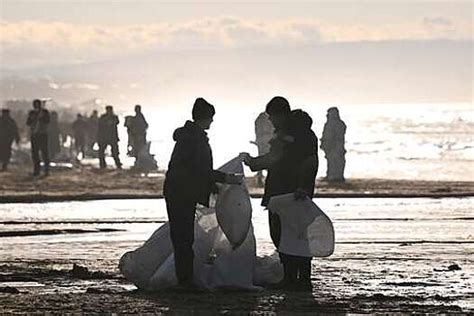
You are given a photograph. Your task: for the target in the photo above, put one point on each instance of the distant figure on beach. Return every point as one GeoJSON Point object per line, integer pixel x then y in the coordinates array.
{"type": "Point", "coordinates": [79, 128]}
{"type": "Point", "coordinates": [292, 166]}
{"type": "Point", "coordinates": [332, 143]}
{"type": "Point", "coordinates": [263, 134]}
{"type": "Point", "coordinates": [108, 136]}
{"type": "Point", "coordinates": [190, 179]}
{"type": "Point", "coordinates": [8, 134]}
{"type": "Point", "coordinates": [54, 142]}
{"type": "Point", "coordinates": [136, 129]}
{"type": "Point", "coordinates": [92, 132]}
{"type": "Point", "coordinates": [38, 121]}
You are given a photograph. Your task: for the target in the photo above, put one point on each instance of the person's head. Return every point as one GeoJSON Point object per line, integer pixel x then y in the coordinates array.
{"type": "Point", "coordinates": [5, 112]}
{"type": "Point", "coordinates": [36, 104]}
{"type": "Point", "coordinates": [138, 109]}
{"type": "Point", "coordinates": [95, 113]}
{"type": "Point", "coordinates": [333, 113]}
{"type": "Point", "coordinates": [301, 120]}
{"type": "Point", "coordinates": [278, 110]}
{"type": "Point", "coordinates": [203, 113]}
{"type": "Point", "coordinates": [109, 109]}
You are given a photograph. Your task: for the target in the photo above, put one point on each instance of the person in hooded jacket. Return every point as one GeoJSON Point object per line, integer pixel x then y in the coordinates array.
{"type": "Point", "coordinates": [332, 143]}
{"type": "Point", "coordinates": [292, 165]}
{"type": "Point", "coordinates": [189, 181]}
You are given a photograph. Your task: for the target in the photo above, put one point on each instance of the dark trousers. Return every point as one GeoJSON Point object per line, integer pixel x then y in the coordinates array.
{"type": "Point", "coordinates": [295, 268]}
{"type": "Point", "coordinates": [5, 153]}
{"type": "Point", "coordinates": [181, 213]}
{"type": "Point", "coordinates": [115, 154]}
{"type": "Point", "coordinates": [39, 143]}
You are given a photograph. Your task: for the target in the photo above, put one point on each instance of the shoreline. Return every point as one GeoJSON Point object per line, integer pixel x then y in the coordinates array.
{"type": "Point", "coordinates": [88, 183]}
{"type": "Point", "coordinates": [46, 198]}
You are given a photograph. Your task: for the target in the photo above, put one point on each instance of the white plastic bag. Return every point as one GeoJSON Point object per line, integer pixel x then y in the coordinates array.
{"type": "Point", "coordinates": [233, 207]}
{"type": "Point", "coordinates": [305, 229]}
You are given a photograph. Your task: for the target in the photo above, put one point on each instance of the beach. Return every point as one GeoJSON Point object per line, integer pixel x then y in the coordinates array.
{"type": "Point", "coordinates": [393, 254]}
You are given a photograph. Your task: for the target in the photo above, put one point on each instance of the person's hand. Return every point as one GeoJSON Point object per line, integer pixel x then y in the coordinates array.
{"type": "Point", "coordinates": [231, 178]}
{"type": "Point", "coordinates": [245, 157]}
{"type": "Point", "coordinates": [300, 194]}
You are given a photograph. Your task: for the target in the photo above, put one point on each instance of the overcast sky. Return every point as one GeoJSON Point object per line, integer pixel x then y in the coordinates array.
{"type": "Point", "coordinates": [42, 34]}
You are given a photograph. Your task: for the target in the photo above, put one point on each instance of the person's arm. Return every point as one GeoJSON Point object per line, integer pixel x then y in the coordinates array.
{"type": "Point", "coordinates": [30, 119]}
{"type": "Point", "coordinates": [277, 147]}
{"type": "Point", "coordinates": [16, 134]}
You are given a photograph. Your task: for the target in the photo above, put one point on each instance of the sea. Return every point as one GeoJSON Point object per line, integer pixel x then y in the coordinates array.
{"type": "Point", "coordinates": [386, 141]}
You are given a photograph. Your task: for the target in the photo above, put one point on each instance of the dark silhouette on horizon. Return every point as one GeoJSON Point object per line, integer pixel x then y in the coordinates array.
{"type": "Point", "coordinates": [79, 128]}
{"type": "Point", "coordinates": [108, 136]}
{"type": "Point", "coordinates": [8, 135]}
{"type": "Point", "coordinates": [332, 143]}
{"type": "Point", "coordinates": [38, 122]}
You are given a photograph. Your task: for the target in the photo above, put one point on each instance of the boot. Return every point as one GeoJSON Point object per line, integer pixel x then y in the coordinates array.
{"type": "Point", "coordinates": [304, 277]}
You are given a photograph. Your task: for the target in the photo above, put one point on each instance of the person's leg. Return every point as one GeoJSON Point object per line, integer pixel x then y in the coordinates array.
{"type": "Point", "coordinates": [181, 215]}
{"type": "Point", "coordinates": [304, 274]}
{"type": "Point", "coordinates": [43, 145]}
{"type": "Point", "coordinates": [289, 272]}
{"type": "Point", "coordinates": [102, 155]}
{"type": "Point", "coordinates": [35, 155]}
{"type": "Point", "coordinates": [115, 155]}
{"type": "Point", "coordinates": [275, 227]}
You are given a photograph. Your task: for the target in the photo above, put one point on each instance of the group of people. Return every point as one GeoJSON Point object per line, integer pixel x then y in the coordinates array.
{"type": "Point", "coordinates": [291, 162]}
{"type": "Point", "coordinates": [45, 140]}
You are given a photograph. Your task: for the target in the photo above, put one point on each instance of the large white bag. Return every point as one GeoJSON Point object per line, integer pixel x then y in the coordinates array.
{"type": "Point", "coordinates": [233, 207]}
{"type": "Point", "coordinates": [305, 229]}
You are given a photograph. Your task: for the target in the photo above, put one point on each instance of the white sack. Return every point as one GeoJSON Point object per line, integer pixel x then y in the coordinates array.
{"type": "Point", "coordinates": [305, 229]}
{"type": "Point", "coordinates": [233, 207]}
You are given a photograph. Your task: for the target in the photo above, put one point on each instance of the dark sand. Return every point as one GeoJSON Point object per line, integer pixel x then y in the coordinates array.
{"type": "Point", "coordinates": [87, 183]}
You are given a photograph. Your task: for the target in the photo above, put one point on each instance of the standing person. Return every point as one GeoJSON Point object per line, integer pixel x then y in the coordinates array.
{"type": "Point", "coordinates": [332, 143]}
{"type": "Point", "coordinates": [263, 134]}
{"type": "Point", "coordinates": [140, 127]}
{"type": "Point", "coordinates": [92, 131]}
{"type": "Point", "coordinates": [79, 128]}
{"type": "Point", "coordinates": [38, 121]}
{"type": "Point", "coordinates": [190, 179]}
{"type": "Point", "coordinates": [108, 135]}
{"type": "Point", "coordinates": [8, 134]}
{"type": "Point", "coordinates": [290, 150]}
{"type": "Point", "coordinates": [54, 143]}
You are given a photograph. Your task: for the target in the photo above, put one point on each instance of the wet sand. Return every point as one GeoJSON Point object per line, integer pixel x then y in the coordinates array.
{"type": "Point", "coordinates": [392, 255]}
{"type": "Point", "coordinates": [88, 183]}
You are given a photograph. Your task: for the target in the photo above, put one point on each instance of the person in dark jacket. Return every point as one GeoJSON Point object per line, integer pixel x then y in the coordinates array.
{"type": "Point", "coordinates": [79, 128]}
{"type": "Point", "coordinates": [38, 121]}
{"type": "Point", "coordinates": [190, 180]}
{"type": "Point", "coordinates": [108, 136]}
{"type": "Point", "coordinates": [290, 163]}
{"type": "Point", "coordinates": [332, 143]}
{"type": "Point", "coordinates": [8, 134]}
{"type": "Point", "coordinates": [54, 142]}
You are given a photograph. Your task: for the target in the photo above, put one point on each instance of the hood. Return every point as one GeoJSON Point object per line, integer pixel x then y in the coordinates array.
{"type": "Point", "coordinates": [190, 130]}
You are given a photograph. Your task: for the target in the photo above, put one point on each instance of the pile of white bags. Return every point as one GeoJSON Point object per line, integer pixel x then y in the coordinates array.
{"type": "Point", "coordinates": [224, 245]}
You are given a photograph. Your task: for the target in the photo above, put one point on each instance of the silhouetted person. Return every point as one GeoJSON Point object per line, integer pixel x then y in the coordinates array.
{"type": "Point", "coordinates": [92, 131]}
{"type": "Point", "coordinates": [140, 127]}
{"type": "Point", "coordinates": [292, 152]}
{"type": "Point", "coordinates": [263, 134]}
{"type": "Point", "coordinates": [108, 136]}
{"type": "Point", "coordinates": [79, 128]}
{"type": "Point", "coordinates": [305, 155]}
{"type": "Point", "coordinates": [38, 121]}
{"type": "Point", "coordinates": [129, 126]}
{"type": "Point", "coordinates": [190, 179]}
{"type": "Point", "coordinates": [54, 142]}
{"type": "Point", "coordinates": [332, 143]}
{"type": "Point", "coordinates": [8, 134]}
